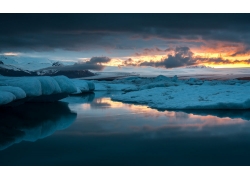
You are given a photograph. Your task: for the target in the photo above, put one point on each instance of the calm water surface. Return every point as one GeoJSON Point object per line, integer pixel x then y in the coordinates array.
{"type": "Point", "coordinates": [93, 130]}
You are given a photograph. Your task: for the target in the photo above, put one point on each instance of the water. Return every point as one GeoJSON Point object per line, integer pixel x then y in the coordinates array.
{"type": "Point", "coordinates": [93, 130]}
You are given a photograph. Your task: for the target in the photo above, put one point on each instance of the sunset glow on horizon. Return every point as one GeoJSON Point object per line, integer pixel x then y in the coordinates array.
{"type": "Point", "coordinates": [136, 40]}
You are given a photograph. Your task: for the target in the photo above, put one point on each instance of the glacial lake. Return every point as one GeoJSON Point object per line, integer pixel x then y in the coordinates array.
{"type": "Point", "coordinates": [93, 130]}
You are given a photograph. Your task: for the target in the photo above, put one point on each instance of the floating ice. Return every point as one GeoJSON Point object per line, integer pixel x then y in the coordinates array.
{"type": "Point", "coordinates": [31, 85]}
{"type": "Point", "coordinates": [13, 88]}
{"type": "Point", "coordinates": [66, 85]}
{"type": "Point", "coordinates": [16, 91]}
{"type": "Point", "coordinates": [171, 93]}
{"type": "Point", "coordinates": [6, 97]}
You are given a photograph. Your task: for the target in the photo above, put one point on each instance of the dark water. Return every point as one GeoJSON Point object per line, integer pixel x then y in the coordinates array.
{"type": "Point", "coordinates": [93, 130]}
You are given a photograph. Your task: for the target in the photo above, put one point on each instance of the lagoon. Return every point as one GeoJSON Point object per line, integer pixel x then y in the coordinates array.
{"type": "Point", "coordinates": [91, 130]}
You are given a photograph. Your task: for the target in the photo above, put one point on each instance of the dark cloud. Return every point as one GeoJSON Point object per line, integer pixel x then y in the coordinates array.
{"type": "Point", "coordinates": [181, 57]}
{"type": "Point", "coordinates": [153, 51]}
{"type": "Point", "coordinates": [98, 60]}
{"type": "Point", "coordinates": [43, 32]}
{"type": "Point", "coordinates": [95, 63]}
{"type": "Point", "coordinates": [220, 61]}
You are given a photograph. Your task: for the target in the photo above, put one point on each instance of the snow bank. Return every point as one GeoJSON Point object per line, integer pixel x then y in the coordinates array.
{"type": "Point", "coordinates": [171, 93]}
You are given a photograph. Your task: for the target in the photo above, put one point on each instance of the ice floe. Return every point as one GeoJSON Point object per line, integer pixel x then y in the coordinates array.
{"type": "Point", "coordinates": [171, 93]}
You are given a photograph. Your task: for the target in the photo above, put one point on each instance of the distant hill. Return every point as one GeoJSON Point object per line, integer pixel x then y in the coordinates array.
{"type": "Point", "coordinates": [53, 69]}
{"type": "Point", "coordinates": [198, 67]}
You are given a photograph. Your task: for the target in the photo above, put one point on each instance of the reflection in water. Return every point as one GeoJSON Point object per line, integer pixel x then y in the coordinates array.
{"type": "Point", "coordinates": [115, 133]}
{"type": "Point", "coordinates": [222, 113]}
{"type": "Point", "coordinates": [105, 116]}
{"type": "Point", "coordinates": [33, 121]}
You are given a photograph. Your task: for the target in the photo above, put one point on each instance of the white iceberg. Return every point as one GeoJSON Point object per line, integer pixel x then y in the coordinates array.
{"type": "Point", "coordinates": [13, 88]}
{"type": "Point", "coordinates": [41, 88]}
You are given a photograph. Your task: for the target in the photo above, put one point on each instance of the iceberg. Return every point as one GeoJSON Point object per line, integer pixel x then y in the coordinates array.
{"type": "Point", "coordinates": [41, 88]}
{"type": "Point", "coordinates": [83, 86]}
{"type": "Point", "coordinates": [6, 97]}
{"type": "Point", "coordinates": [66, 85]}
{"type": "Point", "coordinates": [16, 91]}
{"type": "Point", "coordinates": [31, 85]}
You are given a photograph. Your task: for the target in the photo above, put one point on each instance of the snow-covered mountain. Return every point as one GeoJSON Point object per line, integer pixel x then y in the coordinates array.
{"type": "Point", "coordinates": [71, 71]}
{"type": "Point", "coordinates": [10, 70]}
{"type": "Point", "coordinates": [27, 63]}
{"type": "Point", "coordinates": [17, 66]}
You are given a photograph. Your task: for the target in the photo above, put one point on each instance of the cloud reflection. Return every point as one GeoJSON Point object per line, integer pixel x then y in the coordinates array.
{"type": "Point", "coordinates": [103, 117]}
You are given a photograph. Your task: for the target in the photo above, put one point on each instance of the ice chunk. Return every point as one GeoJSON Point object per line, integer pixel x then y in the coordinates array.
{"type": "Point", "coordinates": [49, 85]}
{"type": "Point", "coordinates": [81, 85]}
{"type": "Point", "coordinates": [31, 85]}
{"type": "Point", "coordinates": [162, 78]}
{"type": "Point", "coordinates": [6, 97]}
{"type": "Point", "coordinates": [18, 92]}
{"type": "Point", "coordinates": [193, 81]}
{"type": "Point", "coordinates": [66, 85]}
{"type": "Point", "coordinates": [91, 85]}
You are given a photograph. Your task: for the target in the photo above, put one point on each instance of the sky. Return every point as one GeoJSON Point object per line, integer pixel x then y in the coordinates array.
{"type": "Point", "coordinates": [158, 40]}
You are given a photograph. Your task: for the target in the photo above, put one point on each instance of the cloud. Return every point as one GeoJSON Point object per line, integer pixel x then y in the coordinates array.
{"type": "Point", "coordinates": [220, 61]}
{"type": "Point", "coordinates": [182, 57]}
{"type": "Point", "coordinates": [98, 60]}
{"type": "Point", "coordinates": [95, 63]}
{"type": "Point", "coordinates": [153, 51]}
{"type": "Point", "coordinates": [77, 32]}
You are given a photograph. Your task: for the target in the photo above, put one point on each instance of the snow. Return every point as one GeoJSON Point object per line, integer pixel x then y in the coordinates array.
{"type": "Point", "coordinates": [171, 93]}
{"type": "Point", "coordinates": [104, 86]}
{"type": "Point", "coordinates": [14, 68]}
{"type": "Point", "coordinates": [182, 72]}
{"type": "Point", "coordinates": [25, 62]}
{"type": "Point", "coordinates": [49, 71]}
